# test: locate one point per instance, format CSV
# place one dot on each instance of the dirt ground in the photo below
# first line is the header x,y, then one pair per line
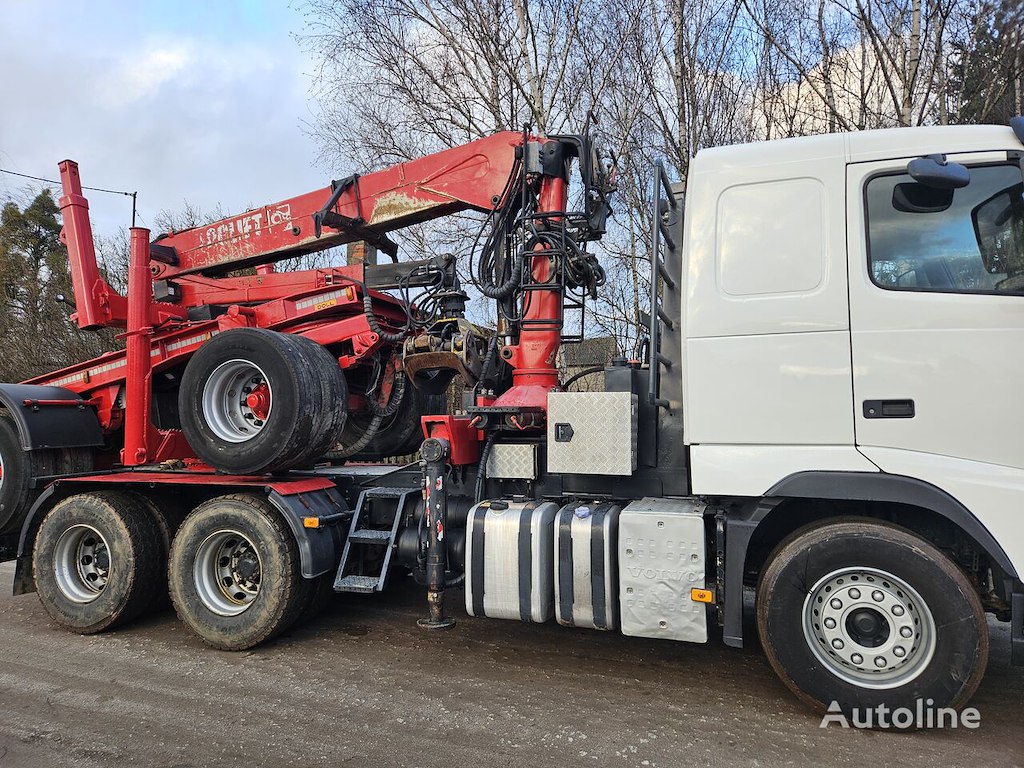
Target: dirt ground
x,y
363,686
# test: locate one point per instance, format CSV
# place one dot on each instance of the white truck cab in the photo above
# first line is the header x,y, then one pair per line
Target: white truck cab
x,y
852,343
827,329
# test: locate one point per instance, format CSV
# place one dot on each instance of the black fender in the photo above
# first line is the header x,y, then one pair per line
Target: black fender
x,y
319,548
51,417
838,486
897,489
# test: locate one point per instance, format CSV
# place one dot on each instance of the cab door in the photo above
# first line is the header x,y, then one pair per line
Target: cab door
x,y
937,315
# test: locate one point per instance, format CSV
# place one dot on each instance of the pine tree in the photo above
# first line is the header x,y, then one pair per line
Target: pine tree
x,y
35,293
987,67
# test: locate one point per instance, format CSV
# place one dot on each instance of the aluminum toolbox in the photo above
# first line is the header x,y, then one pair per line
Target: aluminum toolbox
x,y
510,560
592,433
586,581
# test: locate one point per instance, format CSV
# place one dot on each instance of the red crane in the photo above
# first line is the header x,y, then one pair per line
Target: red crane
x,y
196,290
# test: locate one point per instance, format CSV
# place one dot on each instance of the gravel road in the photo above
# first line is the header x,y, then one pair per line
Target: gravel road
x,y
363,686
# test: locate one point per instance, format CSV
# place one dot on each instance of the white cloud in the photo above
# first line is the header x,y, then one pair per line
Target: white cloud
x,y
135,77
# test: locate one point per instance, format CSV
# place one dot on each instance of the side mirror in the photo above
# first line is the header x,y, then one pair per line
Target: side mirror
x,y
999,230
934,171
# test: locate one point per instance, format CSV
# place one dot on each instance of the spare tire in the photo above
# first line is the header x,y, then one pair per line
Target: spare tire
x,y
254,401
399,434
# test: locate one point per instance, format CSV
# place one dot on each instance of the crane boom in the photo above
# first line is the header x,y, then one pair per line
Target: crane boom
x,y
364,207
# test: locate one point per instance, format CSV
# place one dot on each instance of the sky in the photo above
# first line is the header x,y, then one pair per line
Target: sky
x,y
180,101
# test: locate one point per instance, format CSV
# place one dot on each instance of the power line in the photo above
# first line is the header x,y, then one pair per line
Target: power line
x,y
57,183
132,195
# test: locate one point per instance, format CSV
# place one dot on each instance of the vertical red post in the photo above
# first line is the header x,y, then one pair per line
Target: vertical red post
x,y
533,359
138,385
77,236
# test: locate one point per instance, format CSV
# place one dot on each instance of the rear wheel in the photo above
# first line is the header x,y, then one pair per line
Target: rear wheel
x,y
99,561
253,401
234,573
863,613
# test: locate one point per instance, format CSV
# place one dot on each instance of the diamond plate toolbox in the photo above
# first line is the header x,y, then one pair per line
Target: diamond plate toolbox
x,y
512,461
592,433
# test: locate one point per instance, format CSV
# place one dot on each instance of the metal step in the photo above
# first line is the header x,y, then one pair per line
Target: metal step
x,y
392,504
357,584
370,536
387,492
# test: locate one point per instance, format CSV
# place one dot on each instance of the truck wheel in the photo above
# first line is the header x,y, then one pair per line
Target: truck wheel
x,y
234,573
864,613
98,561
253,400
18,467
167,516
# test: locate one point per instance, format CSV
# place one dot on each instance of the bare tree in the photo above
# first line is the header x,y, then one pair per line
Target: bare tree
x,y
858,64
399,78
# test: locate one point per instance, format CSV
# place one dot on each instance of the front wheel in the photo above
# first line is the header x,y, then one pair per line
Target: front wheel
x,y
234,573
863,614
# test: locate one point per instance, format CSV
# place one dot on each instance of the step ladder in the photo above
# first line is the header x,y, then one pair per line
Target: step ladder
x,y
663,245
366,559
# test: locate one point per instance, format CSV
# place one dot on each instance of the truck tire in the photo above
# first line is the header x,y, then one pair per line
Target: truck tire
x,y
254,401
234,573
399,434
18,467
864,613
98,561
167,516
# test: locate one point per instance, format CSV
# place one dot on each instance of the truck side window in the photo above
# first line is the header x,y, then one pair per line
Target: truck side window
x,y
969,240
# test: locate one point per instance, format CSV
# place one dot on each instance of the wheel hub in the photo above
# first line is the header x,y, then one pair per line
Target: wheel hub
x,y
227,573
869,627
237,401
81,563
258,401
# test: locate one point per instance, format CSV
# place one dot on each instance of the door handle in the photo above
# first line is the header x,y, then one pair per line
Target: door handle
x,y
888,409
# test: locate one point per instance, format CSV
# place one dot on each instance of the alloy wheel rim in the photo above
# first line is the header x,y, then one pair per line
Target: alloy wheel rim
x,y
237,401
869,628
